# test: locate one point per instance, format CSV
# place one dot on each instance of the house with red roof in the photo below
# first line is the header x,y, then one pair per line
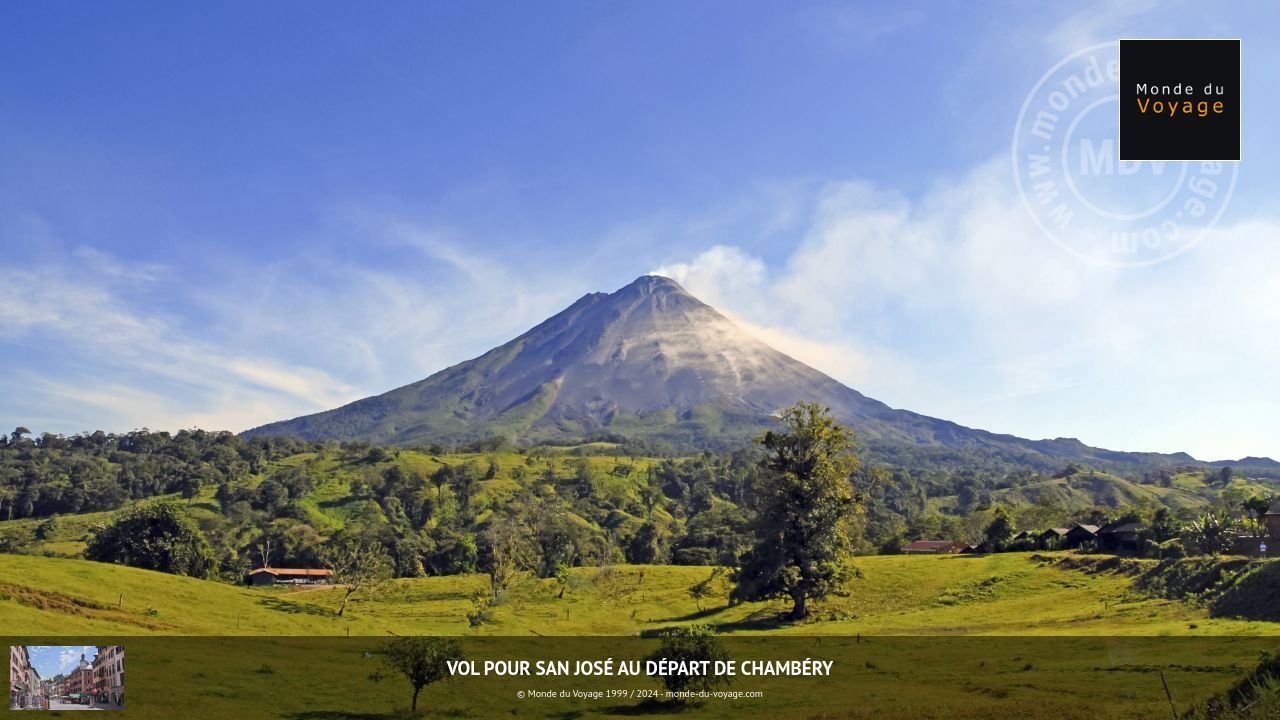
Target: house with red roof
x,y
934,547
290,576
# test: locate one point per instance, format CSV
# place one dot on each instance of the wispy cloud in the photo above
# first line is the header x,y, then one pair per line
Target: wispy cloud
x,y
845,25
118,345
91,316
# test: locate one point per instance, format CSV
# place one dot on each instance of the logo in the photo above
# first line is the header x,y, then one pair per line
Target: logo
x,y
1180,99
1066,162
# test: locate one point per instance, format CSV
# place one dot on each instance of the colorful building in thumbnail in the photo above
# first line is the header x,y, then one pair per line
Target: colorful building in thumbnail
x,y
108,674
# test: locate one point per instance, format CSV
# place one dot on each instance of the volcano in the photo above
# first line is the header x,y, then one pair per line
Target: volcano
x,y
649,361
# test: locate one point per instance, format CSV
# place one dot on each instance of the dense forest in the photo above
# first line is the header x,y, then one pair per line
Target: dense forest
x,y
439,510
53,474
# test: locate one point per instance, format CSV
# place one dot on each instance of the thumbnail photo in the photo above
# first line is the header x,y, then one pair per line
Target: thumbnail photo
x,y
66,677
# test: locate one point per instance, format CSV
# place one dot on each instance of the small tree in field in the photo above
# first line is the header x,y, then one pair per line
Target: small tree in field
x,y
423,660
360,566
806,501
508,550
703,588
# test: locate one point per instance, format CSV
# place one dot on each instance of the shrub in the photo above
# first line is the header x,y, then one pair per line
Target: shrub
x,y
153,536
1174,548
683,644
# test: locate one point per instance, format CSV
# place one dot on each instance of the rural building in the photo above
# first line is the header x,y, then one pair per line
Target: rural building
x,y
1273,520
290,576
108,674
1079,535
1124,536
1052,538
934,547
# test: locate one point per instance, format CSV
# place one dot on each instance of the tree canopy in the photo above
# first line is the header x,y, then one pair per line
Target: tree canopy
x,y
153,536
806,501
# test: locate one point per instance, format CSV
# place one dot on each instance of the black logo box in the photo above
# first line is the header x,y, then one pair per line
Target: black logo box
x,y
1158,78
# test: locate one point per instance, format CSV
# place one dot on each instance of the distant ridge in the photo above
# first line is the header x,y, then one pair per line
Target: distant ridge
x,y
650,361
1251,461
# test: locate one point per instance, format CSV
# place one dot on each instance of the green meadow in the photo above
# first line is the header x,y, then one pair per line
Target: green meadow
x,y
1026,635
1004,594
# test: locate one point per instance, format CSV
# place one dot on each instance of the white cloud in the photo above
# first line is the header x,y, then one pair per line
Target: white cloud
x,y
721,268
730,280
956,305
69,657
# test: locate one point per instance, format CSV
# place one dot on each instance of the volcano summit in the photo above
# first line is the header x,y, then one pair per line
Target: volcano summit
x,y
649,361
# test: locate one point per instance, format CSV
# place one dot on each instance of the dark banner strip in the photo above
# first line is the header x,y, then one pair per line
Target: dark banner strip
x,y
303,678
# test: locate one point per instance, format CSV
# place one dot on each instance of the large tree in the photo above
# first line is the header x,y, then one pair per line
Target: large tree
x,y
805,502
1212,533
153,536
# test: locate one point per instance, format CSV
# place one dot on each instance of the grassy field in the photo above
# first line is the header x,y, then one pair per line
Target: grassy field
x,y
1007,594
1015,635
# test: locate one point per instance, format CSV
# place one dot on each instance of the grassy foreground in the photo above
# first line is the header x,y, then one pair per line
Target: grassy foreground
x,y
895,678
1015,635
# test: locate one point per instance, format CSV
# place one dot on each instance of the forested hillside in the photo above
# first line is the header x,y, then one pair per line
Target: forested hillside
x,y
441,511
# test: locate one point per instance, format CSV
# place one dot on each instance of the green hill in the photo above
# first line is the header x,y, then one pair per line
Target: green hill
x,y
599,495
333,501
1086,489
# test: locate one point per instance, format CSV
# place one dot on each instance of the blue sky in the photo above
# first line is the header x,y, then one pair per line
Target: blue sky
x,y
50,660
227,215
